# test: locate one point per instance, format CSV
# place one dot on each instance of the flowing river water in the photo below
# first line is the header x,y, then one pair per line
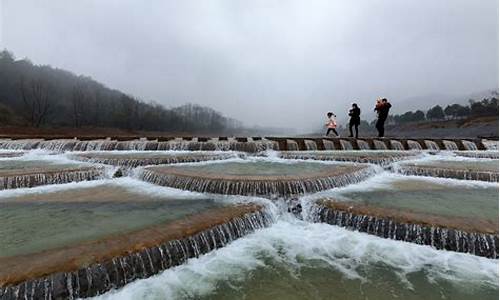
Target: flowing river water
x,y
294,258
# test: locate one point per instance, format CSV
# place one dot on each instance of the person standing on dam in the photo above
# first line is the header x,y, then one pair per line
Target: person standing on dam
x,y
355,120
382,108
331,124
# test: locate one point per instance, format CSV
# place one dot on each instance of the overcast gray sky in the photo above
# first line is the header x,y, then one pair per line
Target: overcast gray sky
x,y
273,63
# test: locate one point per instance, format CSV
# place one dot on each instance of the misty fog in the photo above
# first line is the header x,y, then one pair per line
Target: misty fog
x,y
268,63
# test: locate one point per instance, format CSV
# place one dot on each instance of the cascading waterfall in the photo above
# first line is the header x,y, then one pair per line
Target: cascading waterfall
x,y
11,154
413,145
270,188
292,145
363,145
98,278
478,154
397,145
62,145
447,173
440,238
346,145
450,146
175,144
218,145
244,147
264,145
52,177
139,145
116,272
379,145
214,144
131,162
469,145
95,145
490,144
310,145
57,145
329,145
431,145
339,156
26,144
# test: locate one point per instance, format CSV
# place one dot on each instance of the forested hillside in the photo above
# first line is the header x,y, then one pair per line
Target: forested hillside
x,y
42,96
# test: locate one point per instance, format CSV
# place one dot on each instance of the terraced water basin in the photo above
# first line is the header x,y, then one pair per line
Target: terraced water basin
x,y
372,156
139,158
469,169
446,214
257,177
35,222
19,173
262,168
440,197
63,243
300,260
21,166
489,165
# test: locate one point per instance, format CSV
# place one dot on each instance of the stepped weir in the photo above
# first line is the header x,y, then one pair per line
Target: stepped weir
x,y
31,174
92,268
244,144
446,234
483,171
133,160
257,178
373,157
170,201
478,154
11,154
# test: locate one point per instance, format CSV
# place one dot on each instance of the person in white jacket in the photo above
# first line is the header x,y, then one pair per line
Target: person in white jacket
x,y
331,124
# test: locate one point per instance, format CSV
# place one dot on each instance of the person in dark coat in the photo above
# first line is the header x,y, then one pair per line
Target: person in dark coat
x,y
382,108
355,120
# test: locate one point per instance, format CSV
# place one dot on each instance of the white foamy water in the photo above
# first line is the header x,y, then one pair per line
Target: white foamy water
x,y
48,156
134,185
297,245
385,180
139,187
440,156
268,156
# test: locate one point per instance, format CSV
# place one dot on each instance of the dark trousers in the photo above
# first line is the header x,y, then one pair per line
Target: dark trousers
x,y
355,125
380,126
332,129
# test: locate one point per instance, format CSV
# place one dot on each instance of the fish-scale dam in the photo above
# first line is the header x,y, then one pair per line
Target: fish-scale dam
x,y
248,217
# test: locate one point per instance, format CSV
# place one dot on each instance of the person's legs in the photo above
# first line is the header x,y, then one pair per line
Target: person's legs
x,y
355,129
335,131
350,129
379,125
328,131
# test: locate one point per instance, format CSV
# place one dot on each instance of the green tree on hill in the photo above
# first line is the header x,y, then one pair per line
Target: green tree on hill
x,y
485,107
435,113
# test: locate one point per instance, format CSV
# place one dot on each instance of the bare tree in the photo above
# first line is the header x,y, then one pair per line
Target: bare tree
x,y
36,101
97,107
78,97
